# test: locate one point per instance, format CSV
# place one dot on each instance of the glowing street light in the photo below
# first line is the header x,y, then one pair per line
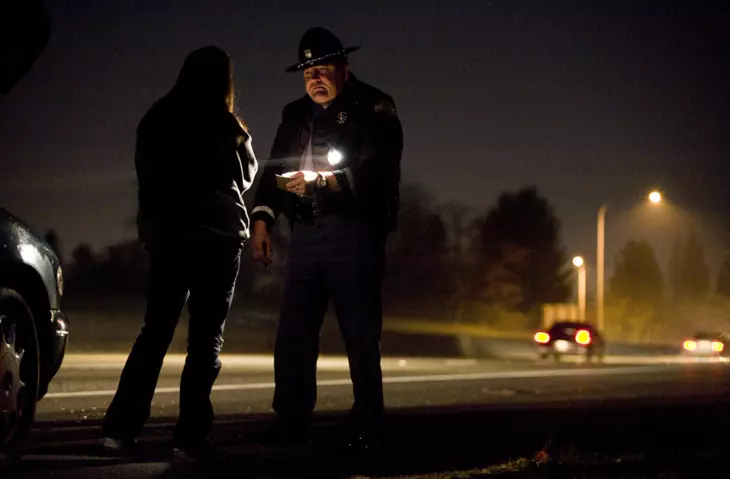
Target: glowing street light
x,y
580,264
654,198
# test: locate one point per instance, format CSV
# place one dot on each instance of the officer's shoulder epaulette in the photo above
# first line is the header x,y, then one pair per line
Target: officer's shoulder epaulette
x,y
381,102
375,100
386,106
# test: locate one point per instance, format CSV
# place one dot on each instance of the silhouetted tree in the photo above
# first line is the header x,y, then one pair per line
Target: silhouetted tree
x,y
722,287
694,274
462,269
519,249
637,275
80,273
417,265
674,271
120,269
124,268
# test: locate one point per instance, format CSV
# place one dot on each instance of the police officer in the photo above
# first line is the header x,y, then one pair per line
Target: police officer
x,y
340,147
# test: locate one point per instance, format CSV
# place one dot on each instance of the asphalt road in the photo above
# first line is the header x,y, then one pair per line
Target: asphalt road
x,y
417,390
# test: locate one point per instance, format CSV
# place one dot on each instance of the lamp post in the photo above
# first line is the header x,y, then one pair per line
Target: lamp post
x,y
655,198
580,264
600,263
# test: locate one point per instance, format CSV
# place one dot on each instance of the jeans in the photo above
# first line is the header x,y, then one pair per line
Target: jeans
x,y
203,274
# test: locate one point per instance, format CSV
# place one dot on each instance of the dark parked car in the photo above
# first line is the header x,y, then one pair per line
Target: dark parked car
x,y
566,338
33,330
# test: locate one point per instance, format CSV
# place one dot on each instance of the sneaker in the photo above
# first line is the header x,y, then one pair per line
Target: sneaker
x,y
119,445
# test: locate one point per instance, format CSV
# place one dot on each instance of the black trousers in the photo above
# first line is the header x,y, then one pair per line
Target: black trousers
x,y
205,272
339,258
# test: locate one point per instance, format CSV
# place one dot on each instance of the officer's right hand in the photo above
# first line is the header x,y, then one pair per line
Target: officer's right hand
x,y
261,241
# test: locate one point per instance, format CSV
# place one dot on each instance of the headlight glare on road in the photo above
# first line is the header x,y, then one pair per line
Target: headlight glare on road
x,y
542,337
690,345
717,346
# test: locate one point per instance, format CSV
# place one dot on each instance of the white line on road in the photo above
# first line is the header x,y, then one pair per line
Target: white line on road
x,y
94,361
538,373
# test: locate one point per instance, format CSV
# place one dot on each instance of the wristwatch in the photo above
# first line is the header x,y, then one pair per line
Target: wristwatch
x,y
321,181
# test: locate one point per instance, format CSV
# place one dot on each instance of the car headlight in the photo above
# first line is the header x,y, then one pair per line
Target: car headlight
x,y
59,280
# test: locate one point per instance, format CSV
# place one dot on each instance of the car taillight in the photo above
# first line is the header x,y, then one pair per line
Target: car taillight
x,y
542,338
583,337
690,345
717,346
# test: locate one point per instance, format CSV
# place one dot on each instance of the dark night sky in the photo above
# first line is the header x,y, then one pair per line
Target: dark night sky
x,y
590,101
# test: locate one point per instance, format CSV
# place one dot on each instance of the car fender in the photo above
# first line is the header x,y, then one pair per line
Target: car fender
x,y
19,245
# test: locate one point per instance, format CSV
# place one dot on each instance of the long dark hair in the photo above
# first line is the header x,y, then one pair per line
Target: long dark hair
x,y
207,78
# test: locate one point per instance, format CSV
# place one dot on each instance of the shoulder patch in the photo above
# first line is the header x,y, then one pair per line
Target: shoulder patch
x,y
386,106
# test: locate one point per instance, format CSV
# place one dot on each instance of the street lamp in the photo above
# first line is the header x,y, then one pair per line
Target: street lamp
x,y
580,264
655,198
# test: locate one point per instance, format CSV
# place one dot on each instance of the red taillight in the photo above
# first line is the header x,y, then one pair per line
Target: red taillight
x,y
583,337
717,346
690,345
542,338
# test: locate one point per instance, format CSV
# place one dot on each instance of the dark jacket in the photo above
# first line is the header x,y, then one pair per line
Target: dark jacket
x,y
362,124
193,162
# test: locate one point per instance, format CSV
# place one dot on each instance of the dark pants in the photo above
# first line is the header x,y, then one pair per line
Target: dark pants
x,y
205,271
339,258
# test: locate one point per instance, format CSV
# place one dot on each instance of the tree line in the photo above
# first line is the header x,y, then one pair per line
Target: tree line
x,y
452,262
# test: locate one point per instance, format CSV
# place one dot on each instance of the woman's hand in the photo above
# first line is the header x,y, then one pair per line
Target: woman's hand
x,y
302,183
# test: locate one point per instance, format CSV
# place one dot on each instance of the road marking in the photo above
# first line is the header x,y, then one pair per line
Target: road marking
x,y
95,361
429,378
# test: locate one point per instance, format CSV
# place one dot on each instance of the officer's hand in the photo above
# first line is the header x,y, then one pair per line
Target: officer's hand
x,y
297,185
302,182
261,241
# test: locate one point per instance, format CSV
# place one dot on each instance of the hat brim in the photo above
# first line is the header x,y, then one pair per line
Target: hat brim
x,y
320,60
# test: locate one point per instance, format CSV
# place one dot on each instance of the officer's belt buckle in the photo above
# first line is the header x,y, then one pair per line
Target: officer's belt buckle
x,y
309,210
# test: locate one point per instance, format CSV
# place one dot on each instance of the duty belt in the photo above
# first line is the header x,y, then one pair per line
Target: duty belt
x,y
307,209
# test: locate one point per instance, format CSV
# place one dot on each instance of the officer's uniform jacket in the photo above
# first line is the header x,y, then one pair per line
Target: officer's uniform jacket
x,y
362,125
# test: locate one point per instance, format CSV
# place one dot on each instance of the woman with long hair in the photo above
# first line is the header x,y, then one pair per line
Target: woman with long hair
x,y
194,161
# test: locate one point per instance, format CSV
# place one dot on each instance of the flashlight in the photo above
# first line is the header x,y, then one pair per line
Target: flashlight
x,y
334,157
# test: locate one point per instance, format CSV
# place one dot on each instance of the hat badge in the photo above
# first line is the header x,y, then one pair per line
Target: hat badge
x,y
307,53
342,117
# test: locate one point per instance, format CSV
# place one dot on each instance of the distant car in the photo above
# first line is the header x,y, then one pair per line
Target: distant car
x,y
569,338
706,344
33,330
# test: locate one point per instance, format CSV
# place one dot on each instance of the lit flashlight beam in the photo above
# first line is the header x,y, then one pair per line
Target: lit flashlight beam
x,y
334,157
